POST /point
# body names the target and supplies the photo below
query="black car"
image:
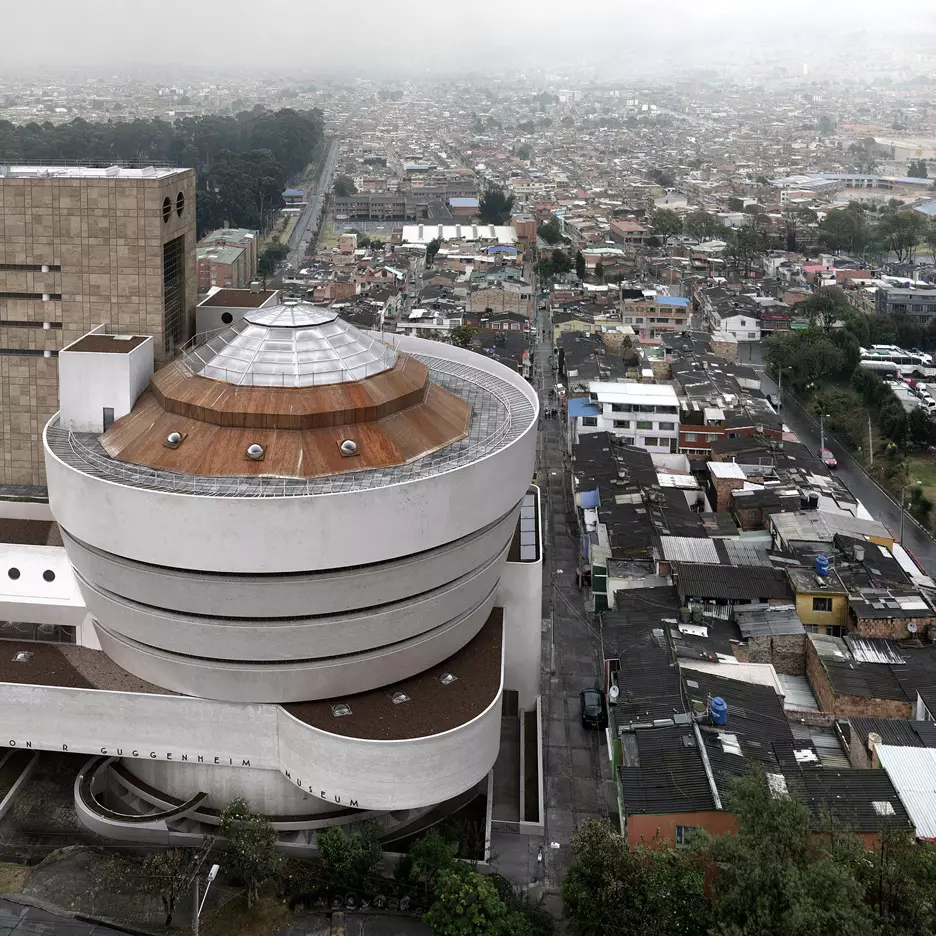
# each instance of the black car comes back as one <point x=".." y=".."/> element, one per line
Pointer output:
<point x="594" y="712"/>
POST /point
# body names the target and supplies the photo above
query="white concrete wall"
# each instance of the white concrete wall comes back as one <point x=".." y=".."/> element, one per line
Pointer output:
<point x="237" y="681"/>
<point x="289" y="534"/>
<point x="21" y="510"/>
<point x="274" y="638"/>
<point x="390" y="774"/>
<point x="294" y="534"/>
<point x="176" y="744"/>
<point x="245" y="596"/>
<point x="520" y="594"/>
<point x="90" y="381"/>
<point x="130" y="724"/>
<point x="267" y="791"/>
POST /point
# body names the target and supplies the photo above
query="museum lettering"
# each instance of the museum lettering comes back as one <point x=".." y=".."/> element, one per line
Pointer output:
<point x="220" y="761"/>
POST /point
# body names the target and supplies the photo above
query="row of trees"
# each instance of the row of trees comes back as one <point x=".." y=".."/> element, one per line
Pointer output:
<point x="243" y="162"/>
<point x="782" y="874"/>
<point x="852" y="230"/>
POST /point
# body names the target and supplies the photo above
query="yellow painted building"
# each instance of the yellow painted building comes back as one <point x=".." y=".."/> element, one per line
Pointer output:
<point x="820" y="606"/>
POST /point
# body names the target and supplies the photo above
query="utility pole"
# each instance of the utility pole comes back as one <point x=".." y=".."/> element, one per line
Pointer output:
<point x="821" y="434"/>
<point x="870" y="444"/>
<point x="195" y="908"/>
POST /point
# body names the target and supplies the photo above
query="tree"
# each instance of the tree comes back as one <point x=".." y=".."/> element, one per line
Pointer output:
<point x="170" y="874"/>
<point x="864" y="155"/>
<point x="580" y="265"/>
<point x="461" y="335"/>
<point x="495" y="206"/>
<point x="611" y="888"/>
<point x="916" y="169"/>
<point x="468" y="904"/>
<point x="524" y="153"/>
<point x="271" y="257"/>
<point x="665" y="223"/>
<point x="775" y="877"/>
<point x="929" y="238"/>
<point x="560" y="263"/>
<point x="599" y="271"/>
<point x="427" y="858"/>
<point x="793" y="218"/>
<point x="827" y="306"/>
<point x="743" y="245"/>
<point x="350" y="857"/>
<point x="344" y="186"/>
<point x="251" y="846"/>
<point x="700" y="225"/>
<point x="432" y="248"/>
<point x="826" y="125"/>
<point x="550" y="231"/>
<point x="662" y="177"/>
<point x="901" y="232"/>
<point x="845" y="229"/>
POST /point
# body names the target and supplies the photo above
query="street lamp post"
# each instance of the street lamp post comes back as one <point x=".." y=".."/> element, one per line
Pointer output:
<point x="903" y="507"/>
<point x="822" y="416"/>
<point x="197" y="905"/>
<point x="780" y="371"/>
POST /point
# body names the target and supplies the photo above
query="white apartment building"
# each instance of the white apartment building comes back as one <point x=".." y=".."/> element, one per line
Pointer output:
<point x="645" y="415"/>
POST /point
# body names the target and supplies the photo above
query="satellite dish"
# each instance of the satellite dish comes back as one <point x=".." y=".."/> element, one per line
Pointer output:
<point x="613" y="692"/>
<point x="912" y="627"/>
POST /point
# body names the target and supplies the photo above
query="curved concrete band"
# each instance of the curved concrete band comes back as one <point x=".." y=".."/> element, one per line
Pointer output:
<point x="298" y="594"/>
<point x="300" y="681"/>
<point x="282" y="639"/>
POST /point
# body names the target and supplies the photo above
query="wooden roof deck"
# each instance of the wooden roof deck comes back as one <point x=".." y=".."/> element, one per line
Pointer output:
<point x="211" y="450"/>
<point x="338" y="404"/>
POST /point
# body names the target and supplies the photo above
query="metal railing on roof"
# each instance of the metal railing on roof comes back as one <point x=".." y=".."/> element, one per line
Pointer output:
<point x="491" y="400"/>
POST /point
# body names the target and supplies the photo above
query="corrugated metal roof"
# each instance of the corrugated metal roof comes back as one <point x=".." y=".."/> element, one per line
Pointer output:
<point x="688" y="549"/>
<point x="873" y="650"/>
<point x="797" y="694"/>
<point x="913" y="773"/>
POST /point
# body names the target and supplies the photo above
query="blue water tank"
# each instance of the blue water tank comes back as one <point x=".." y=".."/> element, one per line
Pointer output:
<point x="822" y="565"/>
<point x="719" y="711"/>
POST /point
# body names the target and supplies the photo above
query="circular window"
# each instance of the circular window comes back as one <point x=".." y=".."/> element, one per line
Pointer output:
<point x="49" y="575"/>
<point x="227" y="318"/>
<point x="179" y="204"/>
<point x="14" y="573"/>
<point x="167" y="210"/>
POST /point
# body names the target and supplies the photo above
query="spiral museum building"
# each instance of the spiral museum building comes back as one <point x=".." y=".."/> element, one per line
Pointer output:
<point x="303" y="567"/>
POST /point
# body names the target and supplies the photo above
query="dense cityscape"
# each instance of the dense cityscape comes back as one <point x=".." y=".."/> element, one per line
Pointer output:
<point x="481" y="499"/>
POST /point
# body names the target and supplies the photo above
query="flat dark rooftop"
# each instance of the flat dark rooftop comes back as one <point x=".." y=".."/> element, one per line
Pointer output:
<point x="432" y="707"/>
<point x="30" y="532"/>
<point x="239" y="298"/>
<point x="107" y="344"/>
<point x="68" y="667"/>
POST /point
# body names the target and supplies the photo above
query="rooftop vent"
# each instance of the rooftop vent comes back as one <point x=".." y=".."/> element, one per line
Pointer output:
<point x="348" y="447"/>
<point x="255" y="452"/>
<point x="173" y="440"/>
<point x="341" y="708"/>
<point x="398" y="697"/>
<point x="447" y="679"/>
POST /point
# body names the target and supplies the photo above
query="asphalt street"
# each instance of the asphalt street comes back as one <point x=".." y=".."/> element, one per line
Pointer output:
<point x="19" y="919"/>
<point x="309" y="219"/>
<point x="576" y="762"/>
<point x="877" y="503"/>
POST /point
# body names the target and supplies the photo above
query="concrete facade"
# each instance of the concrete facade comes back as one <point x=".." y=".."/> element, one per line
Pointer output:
<point x="79" y="247"/>
<point x="237" y="605"/>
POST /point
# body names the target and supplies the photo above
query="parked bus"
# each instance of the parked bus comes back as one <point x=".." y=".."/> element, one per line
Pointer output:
<point x="908" y="363"/>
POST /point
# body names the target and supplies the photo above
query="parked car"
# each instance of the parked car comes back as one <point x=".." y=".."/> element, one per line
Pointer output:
<point x="828" y="459"/>
<point x="594" y="710"/>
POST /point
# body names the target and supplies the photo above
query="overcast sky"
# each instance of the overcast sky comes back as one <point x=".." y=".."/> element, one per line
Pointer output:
<point x="280" y="35"/>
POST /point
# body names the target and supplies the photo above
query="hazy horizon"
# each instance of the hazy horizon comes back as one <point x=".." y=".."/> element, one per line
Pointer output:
<point x="633" y="37"/>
